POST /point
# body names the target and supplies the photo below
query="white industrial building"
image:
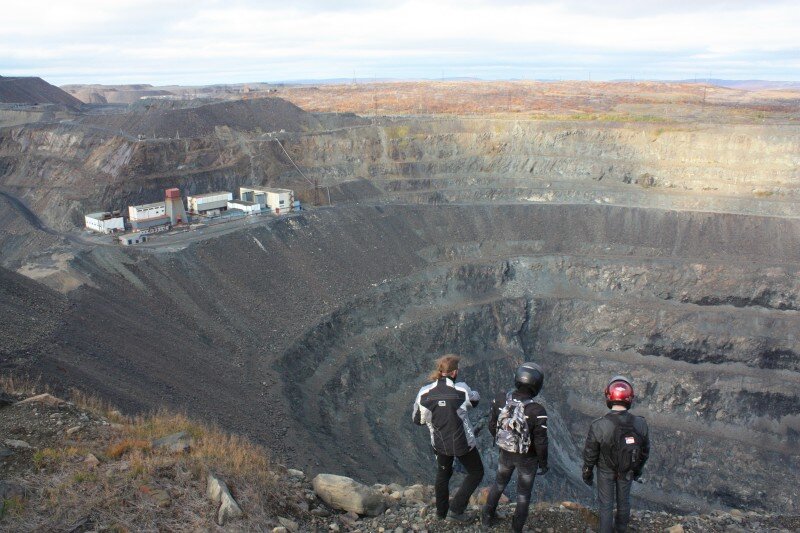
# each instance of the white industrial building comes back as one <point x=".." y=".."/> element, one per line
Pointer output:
<point x="249" y="208"/>
<point x="211" y="203"/>
<point x="105" y="222"/>
<point x="132" y="238"/>
<point x="276" y="200"/>
<point x="147" y="211"/>
<point x="152" y="217"/>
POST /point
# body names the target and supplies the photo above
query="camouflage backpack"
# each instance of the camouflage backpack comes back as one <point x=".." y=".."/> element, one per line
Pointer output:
<point x="513" y="433"/>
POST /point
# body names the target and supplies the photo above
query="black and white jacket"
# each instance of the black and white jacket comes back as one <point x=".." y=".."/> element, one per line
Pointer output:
<point x="442" y="406"/>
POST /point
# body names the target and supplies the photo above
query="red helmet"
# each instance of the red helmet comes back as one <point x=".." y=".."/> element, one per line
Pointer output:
<point x="619" y="392"/>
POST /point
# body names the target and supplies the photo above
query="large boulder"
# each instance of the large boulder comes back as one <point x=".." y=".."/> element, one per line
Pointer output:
<point x="217" y="491"/>
<point x="344" y="493"/>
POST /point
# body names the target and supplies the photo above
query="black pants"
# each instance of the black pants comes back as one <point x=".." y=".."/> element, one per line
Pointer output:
<point x="609" y="488"/>
<point x="526" y="472"/>
<point x="474" y="466"/>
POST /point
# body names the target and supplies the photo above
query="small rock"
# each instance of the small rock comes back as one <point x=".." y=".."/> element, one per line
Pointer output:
<point x="572" y="506"/>
<point x="480" y="497"/>
<point x="279" y="529"/>
<point x="12" y="491"/>
<point x="91" y="461"/>
<point x="120" y="466"/>
<point x="296" y="473"/>
<point x="736" y="512"/>
<point x="73" y="430"/>
<point x="320" y="511"/>
<point x="20" y="444"/>
<point x="677" y="528"/>
<point x="5" y="452"/>
<point x="396" y="496"/>
<point x="398" y="530"/>
<point x="176" y="443"/>
<point x="290" y="525"/>
<point x="159" y="496"/>
<point x="334" y="527"/>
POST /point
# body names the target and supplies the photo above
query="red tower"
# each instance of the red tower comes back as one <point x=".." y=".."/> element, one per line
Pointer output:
<point x="174" y="205"/>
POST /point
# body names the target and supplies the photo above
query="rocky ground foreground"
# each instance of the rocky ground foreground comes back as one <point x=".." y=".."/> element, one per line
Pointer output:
<point x="80" y="466"/>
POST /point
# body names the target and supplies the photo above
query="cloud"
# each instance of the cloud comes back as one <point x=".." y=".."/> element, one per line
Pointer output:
<point x="215" y="41"/>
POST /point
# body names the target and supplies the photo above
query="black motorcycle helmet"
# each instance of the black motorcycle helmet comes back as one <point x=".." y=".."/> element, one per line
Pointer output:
<point x="530" y="377"/>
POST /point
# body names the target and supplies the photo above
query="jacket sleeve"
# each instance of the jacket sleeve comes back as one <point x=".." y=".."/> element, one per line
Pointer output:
<point x="494" y="411"/>
<point x="417" y="416"/>
<point x="472" y="395"/>
<point x="537" y="421"/>
<point x="591" y="451"/>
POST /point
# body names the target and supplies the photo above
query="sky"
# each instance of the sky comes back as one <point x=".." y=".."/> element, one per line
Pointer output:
<point x="202" y="42"/>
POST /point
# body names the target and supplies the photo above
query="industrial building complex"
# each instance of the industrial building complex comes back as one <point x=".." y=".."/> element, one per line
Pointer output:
<point x="105" y="222"/>
<point x="275" y="200"/>
<point x="161" y="216"/>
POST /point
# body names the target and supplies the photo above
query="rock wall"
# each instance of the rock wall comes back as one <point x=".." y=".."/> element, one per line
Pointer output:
<point x="62" y="170"/>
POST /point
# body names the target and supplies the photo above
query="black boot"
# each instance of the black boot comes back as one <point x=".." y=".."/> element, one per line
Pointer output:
<point x="487" y="516"/>
<point x="517" y="525"/>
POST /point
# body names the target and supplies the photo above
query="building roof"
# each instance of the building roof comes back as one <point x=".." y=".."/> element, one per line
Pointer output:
<point x="208" y="194"/>
<point x="149" y="206"/>
<point x="103" y="215"/>
<point x="273" y="190"/>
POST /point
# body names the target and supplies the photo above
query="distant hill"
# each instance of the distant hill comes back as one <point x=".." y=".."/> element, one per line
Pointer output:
<point x="33" y="91"/>
<point x="171" y="118"/>
<point x="747" y="85"/>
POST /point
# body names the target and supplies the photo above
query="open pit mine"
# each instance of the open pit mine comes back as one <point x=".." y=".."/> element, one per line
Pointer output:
<point x="597" y="229"/>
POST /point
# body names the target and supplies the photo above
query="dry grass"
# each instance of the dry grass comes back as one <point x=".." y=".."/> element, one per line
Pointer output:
<point x="121" y="491"/>
<point x="625" y="102"/>
<point x="14" y="384"/>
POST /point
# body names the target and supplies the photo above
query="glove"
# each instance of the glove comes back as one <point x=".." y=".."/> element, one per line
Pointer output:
<point x="543" y="470"/>
<point x="588" y="475"/>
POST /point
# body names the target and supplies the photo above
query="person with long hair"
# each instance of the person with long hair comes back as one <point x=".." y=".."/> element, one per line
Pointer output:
<point x="442" y="405"/>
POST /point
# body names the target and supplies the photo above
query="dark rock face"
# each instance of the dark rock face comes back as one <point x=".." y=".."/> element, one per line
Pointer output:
<point x="319" y="343"/>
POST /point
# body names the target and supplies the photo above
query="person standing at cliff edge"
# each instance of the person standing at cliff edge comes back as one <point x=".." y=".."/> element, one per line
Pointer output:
<point x="519" y="427"/>
<point x="442" y="405"/>
<point x="618" y="444"/>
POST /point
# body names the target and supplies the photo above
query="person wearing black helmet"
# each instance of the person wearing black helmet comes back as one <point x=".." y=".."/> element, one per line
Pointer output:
<point x="519" y="427"/>
<point x="618" y="444"/>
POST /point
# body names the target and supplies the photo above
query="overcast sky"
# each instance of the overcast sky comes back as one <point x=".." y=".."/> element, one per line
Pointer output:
<point x="211" y="41"/>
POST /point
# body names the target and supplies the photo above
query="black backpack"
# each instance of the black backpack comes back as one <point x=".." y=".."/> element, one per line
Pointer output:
<point x="626" y="446"/>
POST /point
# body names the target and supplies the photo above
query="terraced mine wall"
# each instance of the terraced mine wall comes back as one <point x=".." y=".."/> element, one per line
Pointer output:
<point x="66" y="169"/>
<point x="313" y="333"/>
